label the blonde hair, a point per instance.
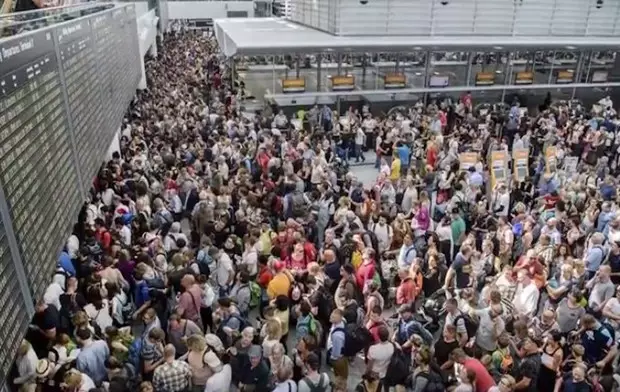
(196, 343)
(80, 319)
(273, 329)
(73, 379)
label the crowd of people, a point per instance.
(222, 251)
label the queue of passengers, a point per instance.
(224, 252)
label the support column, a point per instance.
(397, 64)
(469, 60)
(318, 72)
(552, 67)
(142, 83)
(578, 72)
(273, 74)
(427, 69)
(364, 65)
(297, 64)
(339, 71)
(233, 70)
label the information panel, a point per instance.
(36, 167)
(79, 64)
(14, 318)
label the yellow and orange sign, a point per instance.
(468, 159)
(520, 158)
(499, 167)
(485, 78)
(565, 77)
(293, 85)
(343, 83)
(394, 80)
(551, 160)
(524, 78)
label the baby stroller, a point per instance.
(432, 311)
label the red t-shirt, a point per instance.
(364, 273)
(484, 381)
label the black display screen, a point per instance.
(77, 59)
(14, 318)
(37, 171)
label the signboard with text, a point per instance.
(520, 157)
(343, 83)
(565, 77)
(485, 78)
(524, 78)
(293, 85)
(394, 81)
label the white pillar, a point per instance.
(142, 83)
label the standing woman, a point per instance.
(551, 360)
(197, 346)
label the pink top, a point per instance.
(423, 218)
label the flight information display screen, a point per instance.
(37, 170)
(14, 319)
(77, 59)
(63, 92)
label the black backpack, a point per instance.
(471, 325)
(435, 382)
(356, 339)
(397, 369)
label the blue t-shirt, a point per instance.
(404, 153)
(596, 343)
(64, 261)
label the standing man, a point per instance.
(172, 375)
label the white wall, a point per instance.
(207, 9)
(468, 17)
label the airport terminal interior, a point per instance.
(286, 188)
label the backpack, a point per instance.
(203, 261)
(135, 353)
(356, 339)
(298, 205)
(255, 294)
(507, 361)
(397, 369)
(435, 382)
(318, 387)
(471, 325)
(374, 241)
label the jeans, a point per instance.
(358, 153)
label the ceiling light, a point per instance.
(498, 71)
(435, 73)
(417, 48)
(418, 74)
(571, 47)
(498, 47)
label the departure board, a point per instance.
(105, 54)
(77, 59)
(36, 166)
(14, 318)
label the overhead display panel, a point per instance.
(36, 167)
(14, 319)
(76, 46)
(63, 92)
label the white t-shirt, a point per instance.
(613, 306)
(220, 381)
(381, 353)
(100, 316)
(224, 268)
